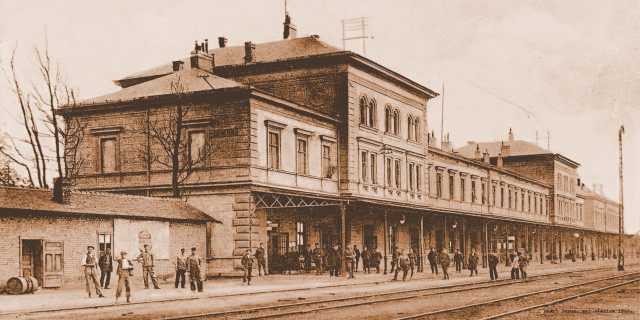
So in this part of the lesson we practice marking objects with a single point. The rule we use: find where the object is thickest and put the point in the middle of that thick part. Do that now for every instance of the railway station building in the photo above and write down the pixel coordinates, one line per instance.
(312, 144)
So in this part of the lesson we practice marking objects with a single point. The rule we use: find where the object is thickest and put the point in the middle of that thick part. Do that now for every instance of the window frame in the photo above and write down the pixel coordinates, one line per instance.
(191, 132)
(305, 164)
(116, 149)
(373, 166)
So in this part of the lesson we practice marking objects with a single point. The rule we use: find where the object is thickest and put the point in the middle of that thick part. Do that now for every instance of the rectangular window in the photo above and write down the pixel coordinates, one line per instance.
(510, 193)
(450, 187)
(410, 176)
(484, 192)
(463, 190)
(397, 173)
(303, 163)
(439, 184)
(473, 191)
(493, 193)
(529, 203)
(327, 170)
(300, 233)
(389, 179)
(566, 183)
(373, 163)
(197, 146)
(392, 238)
(502, 197)
(108, 154)
(559, 182)
(104, 242)
(535, 204)
(273, 153)
(363, 165)
(418, 177)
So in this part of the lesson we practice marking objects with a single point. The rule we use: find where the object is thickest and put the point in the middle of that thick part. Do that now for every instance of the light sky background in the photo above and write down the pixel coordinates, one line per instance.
(568, 67)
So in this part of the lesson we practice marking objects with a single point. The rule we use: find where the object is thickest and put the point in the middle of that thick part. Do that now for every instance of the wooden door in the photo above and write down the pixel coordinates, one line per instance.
(53, 259)
(27, 259)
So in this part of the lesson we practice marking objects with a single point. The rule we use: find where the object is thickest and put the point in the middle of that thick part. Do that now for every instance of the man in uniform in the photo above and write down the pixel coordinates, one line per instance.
(193, 265)
(473, 262)
(181, 268)
(366, 260)
(106, 266)
(124, 267)
(247, 266)
(89, 263)
(318, 255)
(445, 261)
(146, 259)
(457, 259)
(402, 264)
(433, 261)
(523, 262)
(260, 258)
(493, 264)
(357, 255)
(413, 261)
(394, 258)
(335, 261)
(349, 259)
(376, 257)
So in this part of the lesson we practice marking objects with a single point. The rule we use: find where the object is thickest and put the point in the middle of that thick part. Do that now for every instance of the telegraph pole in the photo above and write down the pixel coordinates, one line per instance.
(621, 207)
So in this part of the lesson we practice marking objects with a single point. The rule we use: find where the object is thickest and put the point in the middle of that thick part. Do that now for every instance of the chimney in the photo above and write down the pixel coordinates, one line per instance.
(486, 159)
(200, 58)
(510, 135)
(177, 65)
(499, 164)
(206, 45)
(222, 42)
(446, 144)
(249, 52)
(61, 191)
(432, 140)
(290, 31)
(505, 150)
(478, 157)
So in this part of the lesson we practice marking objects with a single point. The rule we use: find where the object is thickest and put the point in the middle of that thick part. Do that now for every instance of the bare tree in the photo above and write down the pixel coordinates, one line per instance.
(179, 153)
(8, 175)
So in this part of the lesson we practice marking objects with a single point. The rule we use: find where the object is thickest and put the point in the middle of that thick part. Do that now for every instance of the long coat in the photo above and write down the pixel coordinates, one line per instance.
(473, 261)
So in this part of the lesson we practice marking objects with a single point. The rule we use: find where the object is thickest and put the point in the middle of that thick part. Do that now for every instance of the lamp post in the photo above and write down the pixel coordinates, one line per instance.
(621, 207)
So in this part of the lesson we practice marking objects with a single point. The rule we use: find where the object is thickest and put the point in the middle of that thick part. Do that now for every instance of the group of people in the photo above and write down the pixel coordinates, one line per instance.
(184, 264)
(331, 259)
(443, 260)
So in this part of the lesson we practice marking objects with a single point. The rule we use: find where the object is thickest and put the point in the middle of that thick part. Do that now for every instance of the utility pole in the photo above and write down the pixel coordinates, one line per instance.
(621, 207)
(442, 118)
(355, 29)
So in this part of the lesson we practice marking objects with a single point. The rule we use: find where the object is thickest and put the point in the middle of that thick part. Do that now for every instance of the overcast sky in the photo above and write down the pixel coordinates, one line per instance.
(570, 68)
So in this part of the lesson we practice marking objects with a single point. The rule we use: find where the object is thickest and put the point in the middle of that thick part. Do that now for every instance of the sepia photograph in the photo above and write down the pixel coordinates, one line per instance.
(317, 159)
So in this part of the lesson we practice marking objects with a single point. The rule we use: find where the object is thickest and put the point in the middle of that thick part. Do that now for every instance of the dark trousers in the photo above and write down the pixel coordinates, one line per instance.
(246, 277)
(412, 267)
(105, 275)
(459, 266)
(493, 272)
(394, 263)
(319, 266)
(180, 277)
(378, 267)
(124, 281)
(194, 279)
(472, 270)
(357, 263)
(146, 273)
(444, 271)
(515, 273)
(262, 266)
(404, 269)
(434, 267)
(335, 270)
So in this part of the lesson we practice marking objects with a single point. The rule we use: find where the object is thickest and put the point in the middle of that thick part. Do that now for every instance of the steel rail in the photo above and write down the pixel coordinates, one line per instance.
(470, 286)
(561, 300)
(484, 303)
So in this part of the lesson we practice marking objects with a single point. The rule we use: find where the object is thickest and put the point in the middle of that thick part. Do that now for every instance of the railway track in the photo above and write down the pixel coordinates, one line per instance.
(302, 308)
(464, 311)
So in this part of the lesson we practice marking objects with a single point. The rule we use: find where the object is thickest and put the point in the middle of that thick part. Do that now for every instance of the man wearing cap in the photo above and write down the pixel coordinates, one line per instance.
(262, 261)
(247, 265)
(89, 263)
(106, 266)
(146, 259)
(193, 265)
(181, 268)
(124, 268)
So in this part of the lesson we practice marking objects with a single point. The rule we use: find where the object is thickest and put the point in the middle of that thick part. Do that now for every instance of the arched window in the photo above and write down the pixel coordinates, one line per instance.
(416, 129)
(410, 131)
(363, 110)
(396, 121)
(387, 118)
(371, 119)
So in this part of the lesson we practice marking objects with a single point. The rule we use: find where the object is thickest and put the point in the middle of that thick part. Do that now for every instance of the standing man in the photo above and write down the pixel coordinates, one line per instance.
(349, 259)
(515, 266)
(473, 262)
(523, 262)
(403, 265)
(376, 257)
(262, 261)
(457, 259)
(307, 258)
(146, 259)
(181, 268)
(366, 260)
(318, 256)
(433, 261)
(124, 268)
(193, 265)
(413, 260)
(336, 261)
(247, 266)
(89, 263)
(493, 264)
(357, 254)
(106, 266)
(445, 261)
(395, 255)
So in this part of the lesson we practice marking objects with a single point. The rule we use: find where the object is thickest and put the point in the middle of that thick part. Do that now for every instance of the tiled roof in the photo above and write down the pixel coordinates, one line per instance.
(517, 148)
(264, 52)
(107, 204)
(163, 86)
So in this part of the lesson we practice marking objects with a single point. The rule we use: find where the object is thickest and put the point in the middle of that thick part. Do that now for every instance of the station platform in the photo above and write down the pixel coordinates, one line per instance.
(75, 298)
